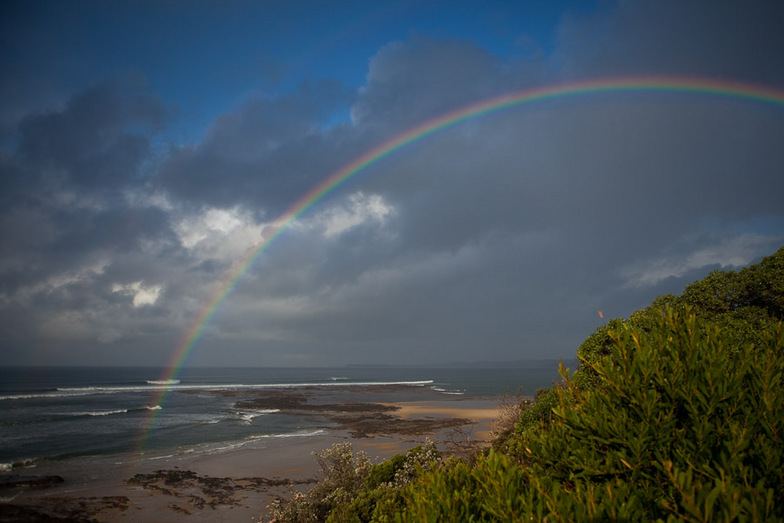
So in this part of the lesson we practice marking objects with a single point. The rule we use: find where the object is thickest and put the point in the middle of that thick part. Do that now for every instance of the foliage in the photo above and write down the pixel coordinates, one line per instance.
(418, 459)
(458, 491)
(384, 472)
(353, 490)
(532, 417)
(510, 408)
(676, 427)
(742, 303)
(759, 287)
(343, 475)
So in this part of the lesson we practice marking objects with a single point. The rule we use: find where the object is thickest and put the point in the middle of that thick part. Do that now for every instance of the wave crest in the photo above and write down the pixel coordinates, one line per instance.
(100, 412)
(64, 392)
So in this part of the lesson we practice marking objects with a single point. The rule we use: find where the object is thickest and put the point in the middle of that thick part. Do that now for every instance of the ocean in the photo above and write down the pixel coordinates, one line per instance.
(68, 413)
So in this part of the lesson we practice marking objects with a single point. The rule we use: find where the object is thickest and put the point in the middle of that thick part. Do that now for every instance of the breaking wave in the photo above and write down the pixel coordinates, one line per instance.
(109, 412)
(152, 386)
(247, 417)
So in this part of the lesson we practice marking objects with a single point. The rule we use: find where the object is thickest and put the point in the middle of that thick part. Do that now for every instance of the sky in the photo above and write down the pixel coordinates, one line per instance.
(148, 150)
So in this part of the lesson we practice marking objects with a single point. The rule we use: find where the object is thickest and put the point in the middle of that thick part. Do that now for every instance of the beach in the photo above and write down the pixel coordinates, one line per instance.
(238, 481)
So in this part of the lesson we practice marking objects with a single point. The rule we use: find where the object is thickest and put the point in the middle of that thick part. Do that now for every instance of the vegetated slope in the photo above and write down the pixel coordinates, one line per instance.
(676, 413)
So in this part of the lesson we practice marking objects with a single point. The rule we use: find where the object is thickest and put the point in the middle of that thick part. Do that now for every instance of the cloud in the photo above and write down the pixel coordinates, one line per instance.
(500, 236)
(360, 209)
(403, 76)
(730, 253)
(140, 294)
(729, 39)
(70, 226)
(267, 152)
(92, 143)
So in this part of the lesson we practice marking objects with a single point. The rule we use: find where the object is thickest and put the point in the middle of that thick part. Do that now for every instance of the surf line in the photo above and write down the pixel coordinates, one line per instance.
(645, 85)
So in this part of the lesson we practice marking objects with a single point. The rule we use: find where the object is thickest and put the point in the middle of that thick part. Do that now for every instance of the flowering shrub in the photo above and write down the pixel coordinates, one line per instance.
(352, 489)
(343, 475)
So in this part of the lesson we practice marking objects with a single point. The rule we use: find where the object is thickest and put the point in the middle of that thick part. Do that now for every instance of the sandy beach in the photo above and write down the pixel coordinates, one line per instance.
(239, 482)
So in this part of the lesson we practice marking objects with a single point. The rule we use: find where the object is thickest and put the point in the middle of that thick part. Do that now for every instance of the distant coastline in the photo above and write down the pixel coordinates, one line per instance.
(543, 363)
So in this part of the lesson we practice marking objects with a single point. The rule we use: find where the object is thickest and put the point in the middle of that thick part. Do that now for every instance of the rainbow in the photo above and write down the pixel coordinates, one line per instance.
(697, 86)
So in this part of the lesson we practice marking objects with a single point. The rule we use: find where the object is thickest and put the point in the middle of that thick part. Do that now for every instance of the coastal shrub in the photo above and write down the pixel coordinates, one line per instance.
(296, 509)
(379, 504)
(758, 287)
(384, 472)
(343, 476)
(676, 426)
(380, 498)
(534, 416)
(487, 490)
(341, 470)
(511, 407)
(540, 411)
(421, 458)
(743, 303)
(352, 490)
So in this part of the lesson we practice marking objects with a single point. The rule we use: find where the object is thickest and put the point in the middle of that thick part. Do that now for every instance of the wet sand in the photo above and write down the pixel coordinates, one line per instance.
(481, 412)
(239, 483)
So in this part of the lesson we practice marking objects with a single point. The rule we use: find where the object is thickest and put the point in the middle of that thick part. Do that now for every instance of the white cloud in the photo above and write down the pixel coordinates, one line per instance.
(142, 294)
(219, 233)
(361, 208)
(734, 252)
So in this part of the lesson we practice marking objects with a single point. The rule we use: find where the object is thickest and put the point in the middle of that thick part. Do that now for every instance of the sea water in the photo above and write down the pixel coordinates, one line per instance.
(60, 413)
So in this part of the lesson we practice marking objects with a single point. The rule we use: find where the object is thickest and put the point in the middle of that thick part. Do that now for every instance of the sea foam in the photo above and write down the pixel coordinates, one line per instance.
(63, 392)
(247, 417)
(99, 412)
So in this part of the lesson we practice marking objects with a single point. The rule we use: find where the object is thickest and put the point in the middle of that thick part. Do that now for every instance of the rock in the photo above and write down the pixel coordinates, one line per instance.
(15, 481)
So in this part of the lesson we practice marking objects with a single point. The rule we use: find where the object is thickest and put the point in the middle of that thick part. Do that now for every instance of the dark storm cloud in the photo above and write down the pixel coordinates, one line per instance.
(67, 221)
(64, 183)
(264, 154)
(94, 143)
(725, 38)
(403, 76)
(272, 150)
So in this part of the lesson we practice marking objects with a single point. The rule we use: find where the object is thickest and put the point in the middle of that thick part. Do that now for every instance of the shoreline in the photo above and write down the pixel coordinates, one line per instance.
(237, 484)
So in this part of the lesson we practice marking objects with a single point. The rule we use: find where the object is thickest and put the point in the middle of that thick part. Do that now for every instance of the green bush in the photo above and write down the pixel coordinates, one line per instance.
(384, 472)
(352, 490)
(488, 490)
(759, 286)
(381, 498)
(379, 504)
(676, 426)
(532, 417)
(343, 477)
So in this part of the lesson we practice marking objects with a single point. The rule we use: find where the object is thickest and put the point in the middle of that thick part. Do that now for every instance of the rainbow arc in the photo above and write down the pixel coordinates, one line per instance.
(650, 85)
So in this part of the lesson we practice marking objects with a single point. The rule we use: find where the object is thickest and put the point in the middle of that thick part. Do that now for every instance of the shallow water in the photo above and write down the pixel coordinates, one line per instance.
(94, 413)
